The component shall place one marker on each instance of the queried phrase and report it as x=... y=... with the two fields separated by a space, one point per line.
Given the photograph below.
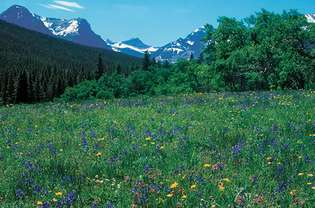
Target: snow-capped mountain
x=20 y=16
x=76 y=30
x=182 y=48
x=134 y=47
x=310 y=18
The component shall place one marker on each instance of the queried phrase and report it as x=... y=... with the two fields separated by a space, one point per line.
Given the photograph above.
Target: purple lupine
x=84 y=141
x=52 y=149
x=19 y=193
x=46 y=205
x=236 y=149
x=70 y=198
x=93 y=134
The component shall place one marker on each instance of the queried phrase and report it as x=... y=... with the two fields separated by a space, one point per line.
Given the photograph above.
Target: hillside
x=25 y=42
x=38 y=55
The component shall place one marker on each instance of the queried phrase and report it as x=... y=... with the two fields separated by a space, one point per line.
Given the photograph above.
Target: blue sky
x=156 y=22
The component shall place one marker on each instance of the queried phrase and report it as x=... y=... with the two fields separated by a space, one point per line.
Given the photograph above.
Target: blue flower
x=19 y=193
x=84 y=141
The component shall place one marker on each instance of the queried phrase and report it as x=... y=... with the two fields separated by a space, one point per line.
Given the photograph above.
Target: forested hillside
x=36 y=67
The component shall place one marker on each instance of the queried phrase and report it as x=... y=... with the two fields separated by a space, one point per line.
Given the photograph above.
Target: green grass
x=206 y=150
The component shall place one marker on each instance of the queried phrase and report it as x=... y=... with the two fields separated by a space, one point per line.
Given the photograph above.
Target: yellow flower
x=310 y=175
x=98 y=154
x=54 y=200
x=206 y=165
x=269 y=158
x=148 y=139
x=301 y=174
x=313 y=187
x=193 y=186
x=162 y=147
x=226 y=180
x=39 y=203
x=309 y=183
x=312 y=135
x=174 y=185
x=58 y=193
x=184 y=197
x=293 y=192
x=170 y=195
x=221 y=186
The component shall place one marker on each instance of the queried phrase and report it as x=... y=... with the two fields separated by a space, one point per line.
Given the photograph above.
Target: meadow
x=251 y=149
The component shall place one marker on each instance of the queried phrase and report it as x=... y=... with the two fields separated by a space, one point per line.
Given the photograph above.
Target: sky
x=156 y=22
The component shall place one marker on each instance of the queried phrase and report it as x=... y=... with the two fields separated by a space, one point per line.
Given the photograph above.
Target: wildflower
x=39 y=203
x=54 y=200
x=312 y=135
x=218 y=166
x=313 y=187
x=193 y=186
x=269 y=158
x=99 y=154
x=259 y=199
x=310 y=175
x=84 y=141
x=99 y=181
x=170 y=195
x=293 y=192
x=226 y=180
x=58 y=193
x=148 y=139
x=240 y=200
x=301 y=174
x=162 y=147
x=174 y=185
x=206 y=165
x=184 y=197
x=221 y=186
x=19 y=193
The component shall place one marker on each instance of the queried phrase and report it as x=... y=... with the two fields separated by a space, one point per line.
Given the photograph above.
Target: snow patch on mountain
x=182 y=48
x=134 y=47
x=310 y=18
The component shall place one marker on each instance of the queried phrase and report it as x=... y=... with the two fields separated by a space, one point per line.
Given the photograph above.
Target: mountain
x=76 y=30
x=20 y=16
x=133 y=47
x=310 y=18
x=182 y=48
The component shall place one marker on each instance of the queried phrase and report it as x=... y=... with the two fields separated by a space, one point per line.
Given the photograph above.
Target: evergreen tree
x=146 y=61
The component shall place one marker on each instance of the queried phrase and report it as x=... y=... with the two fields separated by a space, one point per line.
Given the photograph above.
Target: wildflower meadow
x=251 y=149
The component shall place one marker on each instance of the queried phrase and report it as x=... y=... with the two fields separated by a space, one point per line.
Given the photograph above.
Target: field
x=203 y=150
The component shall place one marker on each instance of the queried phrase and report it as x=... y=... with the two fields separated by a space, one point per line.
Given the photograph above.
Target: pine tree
x=146 y=61
x=100 y=68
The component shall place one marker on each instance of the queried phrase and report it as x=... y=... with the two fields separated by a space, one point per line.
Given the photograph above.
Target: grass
x=205 y=150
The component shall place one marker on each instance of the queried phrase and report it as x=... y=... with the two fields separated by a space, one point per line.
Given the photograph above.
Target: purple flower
x=52 y=149
x=19 y=193
x=70 y=198
x=236 y=150
x=84 y=141
x=46 y=205
x=93 y=134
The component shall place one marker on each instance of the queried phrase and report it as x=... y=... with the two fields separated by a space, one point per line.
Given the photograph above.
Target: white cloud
x=69 y=4
x=58 y=7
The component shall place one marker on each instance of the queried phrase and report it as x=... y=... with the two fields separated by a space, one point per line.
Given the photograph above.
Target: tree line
x=265 y=51
x=35 y=67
